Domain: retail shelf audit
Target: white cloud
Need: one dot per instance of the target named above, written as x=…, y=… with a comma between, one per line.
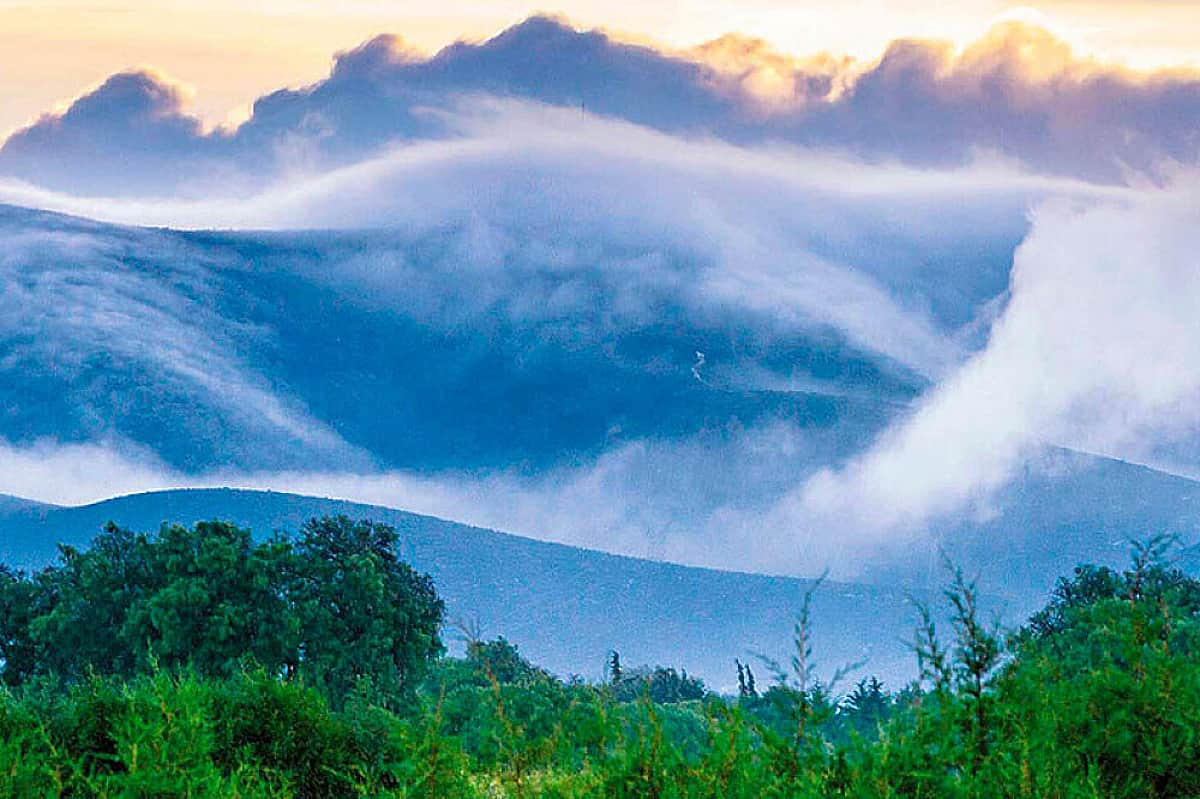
x=645, y=498
x=80, y=301
x=534, y=191
x=1098, y=350
x=559, y=219
x=77, y=474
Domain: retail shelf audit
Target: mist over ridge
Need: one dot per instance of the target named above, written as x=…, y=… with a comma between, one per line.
x=554, y=271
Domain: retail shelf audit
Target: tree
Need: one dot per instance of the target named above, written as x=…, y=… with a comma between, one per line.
x=1148, y=580
x=746, y=686
x=80, y=607
x=866, y=706
x=501, y=660
x=219, y=601
x=204, y=597
x=18, y=606
x=365, y=617
x=337, y=605
x=976, y=656
x=1108, y=671
x=663, y=685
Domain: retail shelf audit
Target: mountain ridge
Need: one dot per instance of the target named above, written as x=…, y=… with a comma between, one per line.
x=566, y=607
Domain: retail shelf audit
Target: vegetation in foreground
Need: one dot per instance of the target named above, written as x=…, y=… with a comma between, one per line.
x=198, y=663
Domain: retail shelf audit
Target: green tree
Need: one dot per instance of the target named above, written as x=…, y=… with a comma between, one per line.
x=219, y=600
x=1104, y=686
x=866, y=707
x=976, y=656
x=662, y=685
x=338, y=605
x=18, y=606
x=503, y=662
x=80, y=606
x=367, y=620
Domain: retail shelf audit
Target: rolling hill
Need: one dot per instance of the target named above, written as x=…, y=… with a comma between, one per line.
x=565, y=607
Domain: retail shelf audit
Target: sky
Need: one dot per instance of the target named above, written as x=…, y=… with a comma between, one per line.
x=230, y=52
x=723, y=298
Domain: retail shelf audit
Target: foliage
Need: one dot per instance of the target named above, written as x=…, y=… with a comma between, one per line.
x=367, y=620
x=662, y=685
x=1098, y=695
x=336, y=607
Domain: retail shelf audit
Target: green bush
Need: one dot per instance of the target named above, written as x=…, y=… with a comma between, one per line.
x=1097, y=696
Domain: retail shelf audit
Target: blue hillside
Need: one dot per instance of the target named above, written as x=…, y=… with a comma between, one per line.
x=565, y=607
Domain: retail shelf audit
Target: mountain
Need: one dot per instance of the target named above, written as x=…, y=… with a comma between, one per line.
x=18, y=506
x=565, y=607
x=599, y=385
x=1083, y=510
x=397, y=349
x=528, y=356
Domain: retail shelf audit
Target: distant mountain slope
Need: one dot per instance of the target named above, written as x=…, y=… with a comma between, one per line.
x=1087, y=510
x=19, y=505
x=540, y=349
x=565, y=607
x=351, y=350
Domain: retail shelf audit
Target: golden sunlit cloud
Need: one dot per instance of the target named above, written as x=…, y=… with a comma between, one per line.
x=63, y=46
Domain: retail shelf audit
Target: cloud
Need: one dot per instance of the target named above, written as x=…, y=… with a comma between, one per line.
x=1098, y=350
x=130, y=135
x=749, y=69
x=545, y=212
x=1018, y=93
x=516, y=267
x=646, y=498
x=500, y=328
x=1021, y=92
x=76, y=474
x=642, y=498
x=539, y=215
x=639, y=494
x=1094, y=348
x=105, y=328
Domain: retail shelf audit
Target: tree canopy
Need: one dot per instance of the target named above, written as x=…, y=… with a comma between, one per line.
x=334, y=606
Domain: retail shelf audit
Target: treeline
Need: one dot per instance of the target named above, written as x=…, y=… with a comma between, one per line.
x=335, y=607
x=1097, y=695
